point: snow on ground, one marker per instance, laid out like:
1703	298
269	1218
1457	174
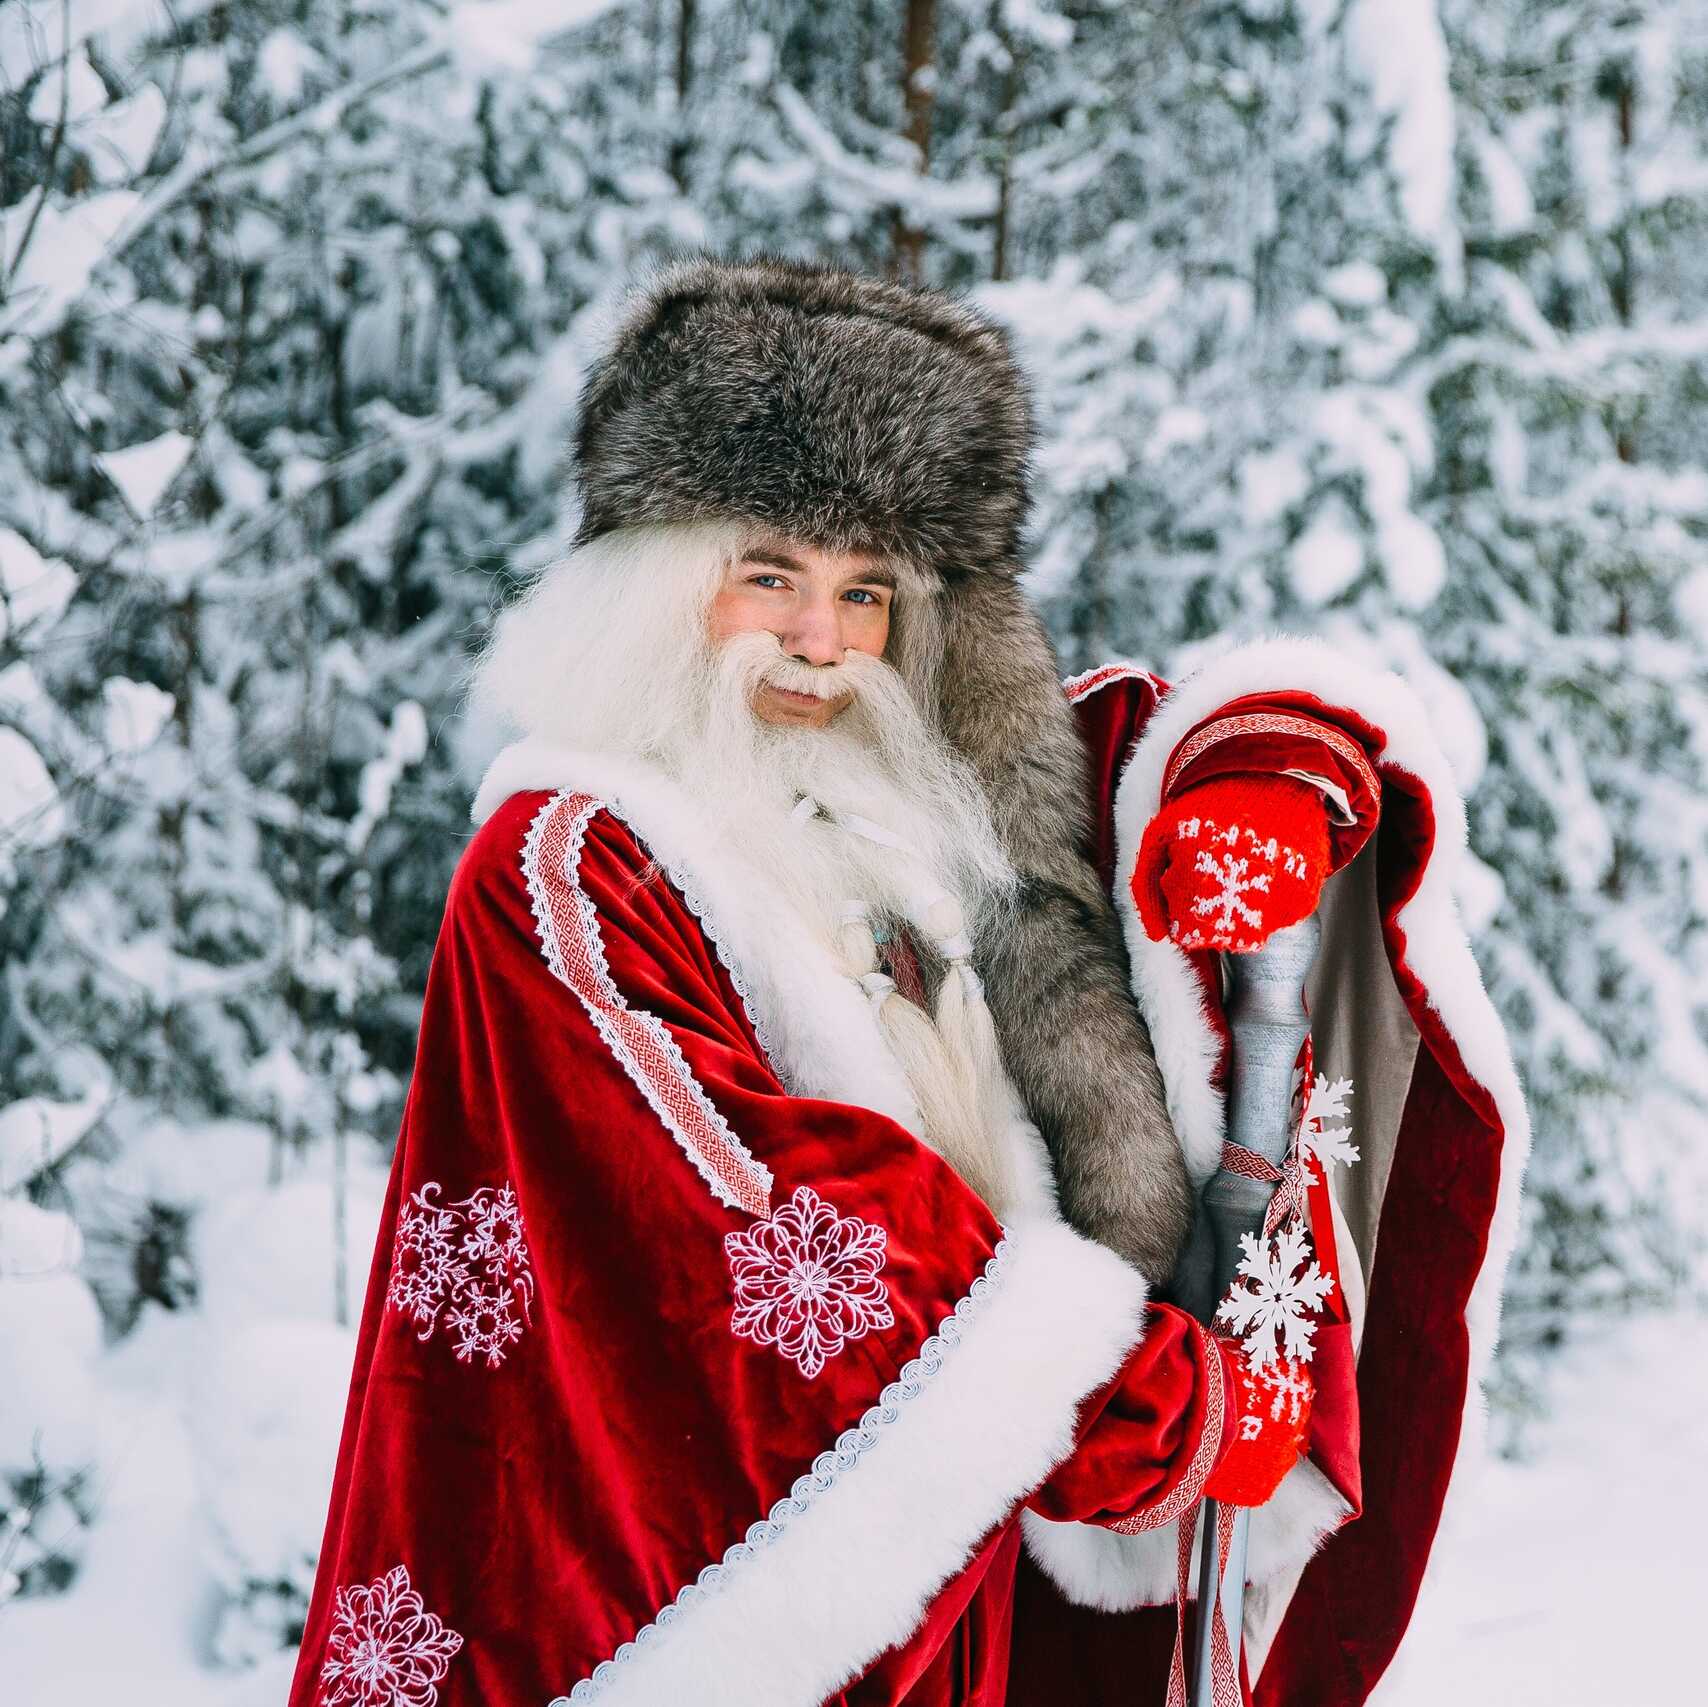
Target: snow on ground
1573	1581
1576	1578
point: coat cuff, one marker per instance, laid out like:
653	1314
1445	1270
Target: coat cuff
1110	1572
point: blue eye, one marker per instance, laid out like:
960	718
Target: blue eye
767	576
862	593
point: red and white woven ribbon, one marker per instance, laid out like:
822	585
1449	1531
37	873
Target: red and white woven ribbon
1224	1675
1289	1179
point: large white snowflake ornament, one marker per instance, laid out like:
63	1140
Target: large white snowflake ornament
808	1280
385	1648
1278	1283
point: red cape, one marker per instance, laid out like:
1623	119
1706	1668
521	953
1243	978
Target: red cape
674	1386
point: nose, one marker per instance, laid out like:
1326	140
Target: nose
813	634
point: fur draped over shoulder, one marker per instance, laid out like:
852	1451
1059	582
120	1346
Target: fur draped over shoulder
863	415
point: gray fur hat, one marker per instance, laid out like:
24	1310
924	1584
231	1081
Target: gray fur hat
847	411
862	415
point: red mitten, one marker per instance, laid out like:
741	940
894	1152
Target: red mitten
1268	1430
1229	861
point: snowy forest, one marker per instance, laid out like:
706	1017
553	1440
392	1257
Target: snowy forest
1379	319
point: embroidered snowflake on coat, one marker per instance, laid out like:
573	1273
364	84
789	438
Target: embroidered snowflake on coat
1279	1283
808	1280
464	1266
385	1648
425	1267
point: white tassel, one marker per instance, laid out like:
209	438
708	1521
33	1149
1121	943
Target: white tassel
964	1024
952	1061
949	1113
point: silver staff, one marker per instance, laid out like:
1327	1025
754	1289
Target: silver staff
1266	1014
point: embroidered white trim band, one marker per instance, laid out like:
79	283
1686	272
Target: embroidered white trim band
1187	1491
1270	723
568	926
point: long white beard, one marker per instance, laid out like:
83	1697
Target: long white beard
925	851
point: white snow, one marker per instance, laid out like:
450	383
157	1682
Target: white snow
142	472
490	37
1576	1578
72	90
36	1131
1398	48
121	138
134	713
31	811
1270	483
1327	557
1412	559
64	248
1356	284
32	588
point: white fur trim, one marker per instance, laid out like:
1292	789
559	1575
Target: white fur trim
1092	681
1115	1573
844	1578
1086	1565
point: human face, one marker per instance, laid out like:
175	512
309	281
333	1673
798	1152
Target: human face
821	605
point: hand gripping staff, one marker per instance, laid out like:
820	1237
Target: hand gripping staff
1266	1015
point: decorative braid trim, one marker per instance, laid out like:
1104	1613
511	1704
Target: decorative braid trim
827	1469
1089	681
568	926
1190	1488
1269	723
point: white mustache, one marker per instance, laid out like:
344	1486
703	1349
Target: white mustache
761	654
822	681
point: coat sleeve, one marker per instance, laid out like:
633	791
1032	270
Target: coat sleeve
641	1324
1152	1436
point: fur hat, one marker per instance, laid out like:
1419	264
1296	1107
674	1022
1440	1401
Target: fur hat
846	411
863	415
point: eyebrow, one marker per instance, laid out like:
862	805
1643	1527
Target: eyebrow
877	575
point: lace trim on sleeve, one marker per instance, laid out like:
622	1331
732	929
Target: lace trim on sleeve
568	927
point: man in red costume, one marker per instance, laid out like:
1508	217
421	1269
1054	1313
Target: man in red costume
725	1340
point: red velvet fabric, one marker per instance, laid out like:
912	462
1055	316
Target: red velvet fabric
547	1501
1394	1445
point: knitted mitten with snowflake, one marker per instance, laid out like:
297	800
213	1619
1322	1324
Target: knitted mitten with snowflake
1230	861
1271	1421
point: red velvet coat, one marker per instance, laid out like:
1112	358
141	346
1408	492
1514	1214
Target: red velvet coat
641	1322
686	1372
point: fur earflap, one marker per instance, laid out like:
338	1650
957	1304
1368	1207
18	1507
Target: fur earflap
847	411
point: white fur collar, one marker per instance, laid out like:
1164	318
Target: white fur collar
816	1024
